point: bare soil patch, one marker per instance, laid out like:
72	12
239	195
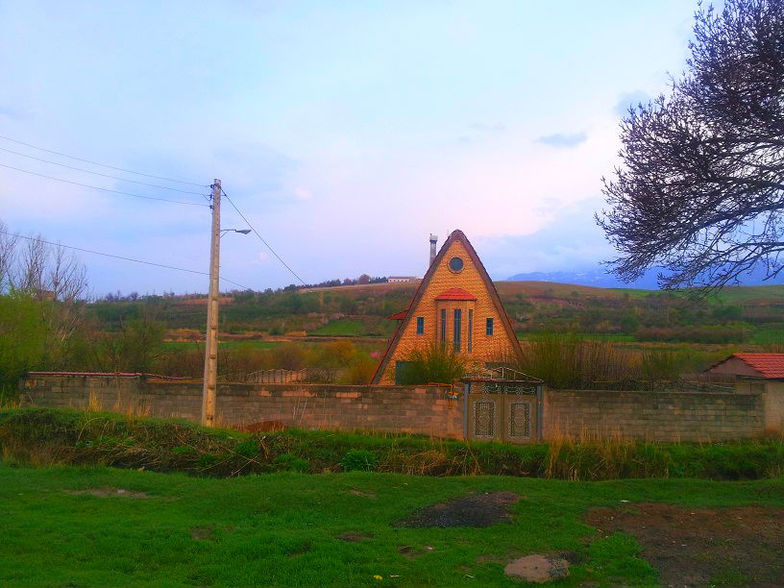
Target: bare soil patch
357	492
354	536
476	510
738	546
106	492
202	533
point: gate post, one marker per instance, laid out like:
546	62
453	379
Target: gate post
466	392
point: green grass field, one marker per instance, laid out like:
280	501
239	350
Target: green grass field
341	328
68	526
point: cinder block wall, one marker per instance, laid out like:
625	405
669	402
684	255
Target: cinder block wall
653	416
427	410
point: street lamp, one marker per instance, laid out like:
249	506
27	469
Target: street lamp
241	231
209	391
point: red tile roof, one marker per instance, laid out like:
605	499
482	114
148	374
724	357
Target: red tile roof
398	316
455	294
770	365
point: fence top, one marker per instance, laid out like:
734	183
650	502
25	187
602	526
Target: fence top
501	374
105	375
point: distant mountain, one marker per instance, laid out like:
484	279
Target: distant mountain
599	278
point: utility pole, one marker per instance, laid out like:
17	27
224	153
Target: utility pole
209	391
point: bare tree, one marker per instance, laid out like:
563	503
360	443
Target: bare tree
32	266
700	187
7	257
66	276
52	276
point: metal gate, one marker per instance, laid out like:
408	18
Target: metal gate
502	405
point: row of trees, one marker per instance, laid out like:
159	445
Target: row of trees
46	323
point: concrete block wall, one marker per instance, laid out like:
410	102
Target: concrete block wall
427	410
652	416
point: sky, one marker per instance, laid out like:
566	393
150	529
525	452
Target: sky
345	132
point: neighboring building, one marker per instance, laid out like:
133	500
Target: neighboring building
401	279
456	304
758	372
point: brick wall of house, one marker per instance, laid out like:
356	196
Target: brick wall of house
654	416
484	348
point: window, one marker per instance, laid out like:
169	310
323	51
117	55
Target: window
456	265
420	325
457	325
470	329
443	326
489	327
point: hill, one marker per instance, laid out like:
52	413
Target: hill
750	314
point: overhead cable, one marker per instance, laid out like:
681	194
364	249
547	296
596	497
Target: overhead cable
172	267
81	169
252	228
128	171
32	173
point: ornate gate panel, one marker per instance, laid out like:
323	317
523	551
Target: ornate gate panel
502	409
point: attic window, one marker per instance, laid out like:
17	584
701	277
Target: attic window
456	264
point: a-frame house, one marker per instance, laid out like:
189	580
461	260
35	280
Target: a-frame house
457	305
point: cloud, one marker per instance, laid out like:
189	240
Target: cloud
629	99
563	140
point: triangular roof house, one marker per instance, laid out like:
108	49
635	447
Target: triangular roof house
456	304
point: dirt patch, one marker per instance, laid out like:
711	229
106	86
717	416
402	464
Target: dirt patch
538	568
354	536
357	492
476	510
703	546
106	492
411	552
263	427
202	533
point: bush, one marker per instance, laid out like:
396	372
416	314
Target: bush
292	463
359	459
434	363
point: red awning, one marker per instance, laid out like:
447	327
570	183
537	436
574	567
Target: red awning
455	294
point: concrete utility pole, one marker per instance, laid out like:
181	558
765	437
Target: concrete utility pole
211	348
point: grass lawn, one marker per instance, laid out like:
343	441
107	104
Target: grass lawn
341	328
68	526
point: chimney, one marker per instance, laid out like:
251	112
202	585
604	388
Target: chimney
433	241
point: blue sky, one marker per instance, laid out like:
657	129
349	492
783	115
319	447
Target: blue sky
346	132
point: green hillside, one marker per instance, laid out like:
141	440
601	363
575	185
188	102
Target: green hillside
743	314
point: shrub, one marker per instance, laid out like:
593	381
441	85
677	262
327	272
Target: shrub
359	459
432	363
292	463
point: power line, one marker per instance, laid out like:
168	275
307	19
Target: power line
32	173
100	174
252	228
172	267
128	171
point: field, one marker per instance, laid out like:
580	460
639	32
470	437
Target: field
325	508
573	336
98	526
